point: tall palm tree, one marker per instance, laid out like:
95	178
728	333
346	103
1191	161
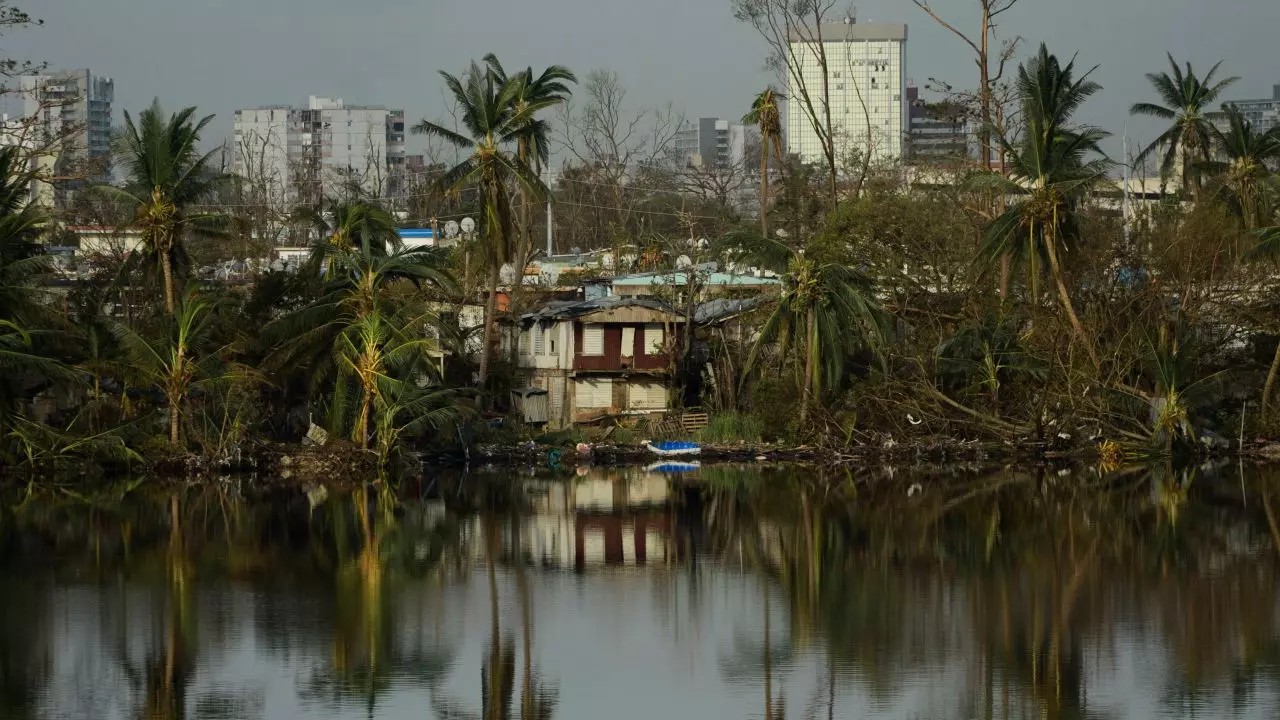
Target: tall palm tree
489	114
1051	170
534	94
766	115
166	176
1186	99
1245	165
827	309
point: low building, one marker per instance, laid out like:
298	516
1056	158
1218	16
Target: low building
713	280
600	357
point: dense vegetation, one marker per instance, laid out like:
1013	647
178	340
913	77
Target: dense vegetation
1012	303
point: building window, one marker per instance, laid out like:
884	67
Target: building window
593	393
537	334
593	340
628	341
653	339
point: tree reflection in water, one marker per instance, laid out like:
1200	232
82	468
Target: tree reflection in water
1023	588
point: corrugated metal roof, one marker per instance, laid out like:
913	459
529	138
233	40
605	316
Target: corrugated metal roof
565	309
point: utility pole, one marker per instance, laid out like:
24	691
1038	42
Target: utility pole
550	247
1124	203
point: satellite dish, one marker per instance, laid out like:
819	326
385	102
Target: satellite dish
684	261
508	274
451	229
468	226
703	243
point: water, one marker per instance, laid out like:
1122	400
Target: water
621	594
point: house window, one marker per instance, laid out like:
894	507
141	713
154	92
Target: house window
628	341
646	396
537	339
653	339
593	340
549	341
595	393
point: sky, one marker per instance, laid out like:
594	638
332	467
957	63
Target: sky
225	54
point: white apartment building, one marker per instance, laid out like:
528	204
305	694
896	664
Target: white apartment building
289	155
866	67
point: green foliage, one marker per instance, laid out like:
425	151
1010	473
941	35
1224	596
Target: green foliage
732	427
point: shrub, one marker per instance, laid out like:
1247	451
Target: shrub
732	427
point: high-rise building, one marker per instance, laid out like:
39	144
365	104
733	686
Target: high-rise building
710	142
939	132
290	155
1264	113
866	81
68	116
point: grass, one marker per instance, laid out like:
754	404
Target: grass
732	427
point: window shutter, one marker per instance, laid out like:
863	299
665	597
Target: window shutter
596	393
653	339
593	340
628	341
537	333
646	396
524	341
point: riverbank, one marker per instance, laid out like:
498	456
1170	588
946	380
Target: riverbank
341	461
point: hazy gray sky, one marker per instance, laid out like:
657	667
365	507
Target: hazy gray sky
224	54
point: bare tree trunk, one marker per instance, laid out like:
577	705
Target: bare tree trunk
1065	297
1271	381
810	364
764	188
166	265
175	415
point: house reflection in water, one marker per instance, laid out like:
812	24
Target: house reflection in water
606	517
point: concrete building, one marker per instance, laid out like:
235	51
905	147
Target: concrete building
866	68
329	149
711	142
68	116
939	132
1264	113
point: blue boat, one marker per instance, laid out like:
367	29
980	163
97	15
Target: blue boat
673	447
668	468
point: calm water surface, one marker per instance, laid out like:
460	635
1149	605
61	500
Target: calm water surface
620	594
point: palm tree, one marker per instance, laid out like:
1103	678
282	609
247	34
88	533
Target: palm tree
1246	165
767	116
361	310
827	308
166	175
177	362
489	114
533	146
343	228
1052	170
1186	98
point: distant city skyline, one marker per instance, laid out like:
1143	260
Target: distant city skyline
390	54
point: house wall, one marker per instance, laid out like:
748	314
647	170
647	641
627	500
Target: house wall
636	358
